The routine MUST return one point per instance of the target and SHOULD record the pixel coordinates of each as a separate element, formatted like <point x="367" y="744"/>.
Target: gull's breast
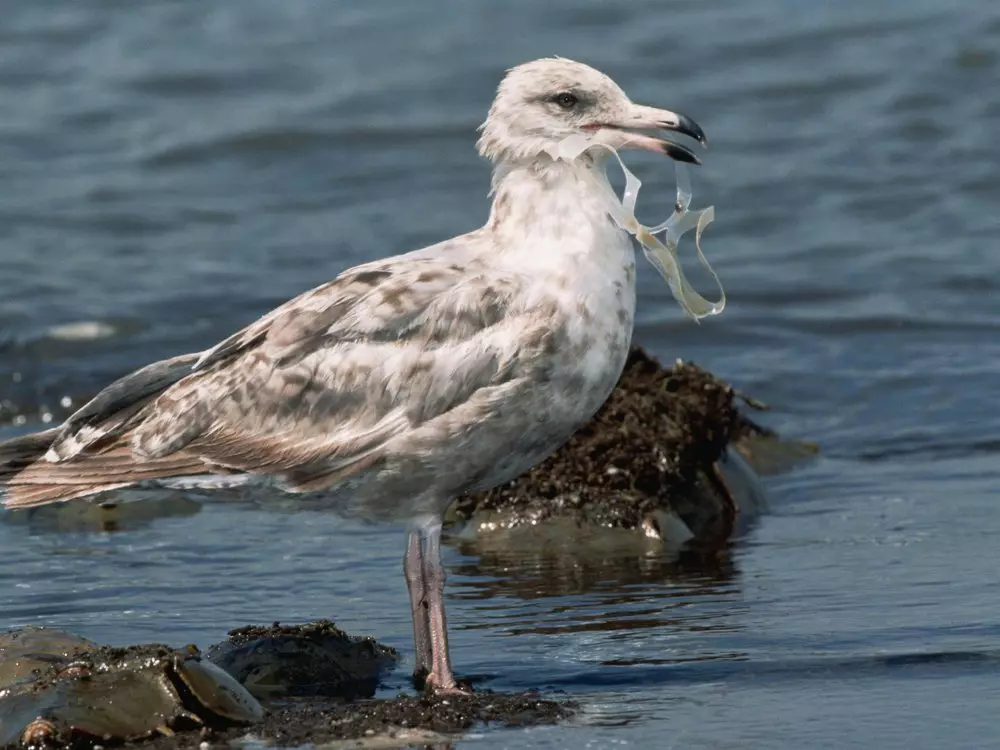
<point x="598" y="304"/>
<point x="553" y="228"/>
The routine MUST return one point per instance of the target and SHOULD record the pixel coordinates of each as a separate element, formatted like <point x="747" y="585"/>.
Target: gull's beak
<point x="618" y="135"/>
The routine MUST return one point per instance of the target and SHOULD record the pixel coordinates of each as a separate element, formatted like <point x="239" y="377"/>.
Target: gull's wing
<point x="318" y="386"/>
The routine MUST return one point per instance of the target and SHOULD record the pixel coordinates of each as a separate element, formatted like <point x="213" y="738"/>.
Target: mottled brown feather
<point x="294" y="394"/>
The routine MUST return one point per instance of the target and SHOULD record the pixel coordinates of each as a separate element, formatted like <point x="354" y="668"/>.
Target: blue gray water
<point x="172" y="170"/>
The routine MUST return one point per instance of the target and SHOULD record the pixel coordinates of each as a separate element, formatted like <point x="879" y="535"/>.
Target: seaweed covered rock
<point x="656" y="458"/>
<point x="316" y="658"/>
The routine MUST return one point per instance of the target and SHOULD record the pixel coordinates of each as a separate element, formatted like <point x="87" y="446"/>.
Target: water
<point x="173" y="170"/>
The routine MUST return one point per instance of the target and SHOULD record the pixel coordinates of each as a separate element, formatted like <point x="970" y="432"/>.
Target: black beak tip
<point x="689" y="127"/>
<point x="680" y="153"/>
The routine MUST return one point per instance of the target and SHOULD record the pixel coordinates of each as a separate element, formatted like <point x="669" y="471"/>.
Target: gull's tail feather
<point x="90" y="452"/>
<point x="28" y="480"/>
<point x="20" y="452"/>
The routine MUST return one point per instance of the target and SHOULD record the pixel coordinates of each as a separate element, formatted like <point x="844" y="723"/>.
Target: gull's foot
<point x="438" y="687"/>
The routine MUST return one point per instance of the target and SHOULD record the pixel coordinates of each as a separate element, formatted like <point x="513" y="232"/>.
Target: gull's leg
<point x="413" y="569"/>
<point x="440" y="678"/>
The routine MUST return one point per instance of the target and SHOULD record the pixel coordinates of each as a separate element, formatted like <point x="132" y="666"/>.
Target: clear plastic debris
<point x="662" y="254"/>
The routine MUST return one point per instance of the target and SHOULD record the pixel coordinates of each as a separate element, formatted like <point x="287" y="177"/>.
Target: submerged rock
<point x="666" y="456"/>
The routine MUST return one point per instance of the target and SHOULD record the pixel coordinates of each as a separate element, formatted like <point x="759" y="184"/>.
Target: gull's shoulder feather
<point x="381" y="298"/>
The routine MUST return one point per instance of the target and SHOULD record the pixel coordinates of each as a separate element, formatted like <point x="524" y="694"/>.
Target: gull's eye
<point x="566" y="100"/>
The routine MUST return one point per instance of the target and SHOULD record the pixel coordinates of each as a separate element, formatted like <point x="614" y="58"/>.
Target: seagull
<point x="408" y="381"/>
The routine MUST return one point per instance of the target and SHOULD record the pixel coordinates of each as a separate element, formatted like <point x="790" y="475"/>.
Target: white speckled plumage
<point x="407" y="381"/>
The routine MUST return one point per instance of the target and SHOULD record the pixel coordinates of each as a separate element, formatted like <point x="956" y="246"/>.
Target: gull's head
<point x="540" y="103"/>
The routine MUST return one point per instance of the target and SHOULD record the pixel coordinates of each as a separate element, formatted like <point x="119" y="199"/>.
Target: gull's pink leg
<point x="441" y="678"/>
<point x="414" y="571"/>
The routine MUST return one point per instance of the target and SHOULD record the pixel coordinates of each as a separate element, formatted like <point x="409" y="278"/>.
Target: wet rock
<point x="26" y="653"/>
<point x="766" y="452"/>
<point x="666" y="457"/>
<point x="59" y="690"/>
<point x="312" y="659"/>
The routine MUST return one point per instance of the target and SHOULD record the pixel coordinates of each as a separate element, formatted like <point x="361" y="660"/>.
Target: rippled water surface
<point x="172" y="170"/>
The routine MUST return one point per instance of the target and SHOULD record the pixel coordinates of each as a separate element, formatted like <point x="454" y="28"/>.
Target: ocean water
<point x="173" y="170"/>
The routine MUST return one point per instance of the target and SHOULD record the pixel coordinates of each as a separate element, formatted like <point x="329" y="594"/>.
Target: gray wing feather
<point x="378" y="299"/>
<point x="322" y="383"/>
<point x="105" y="416"/>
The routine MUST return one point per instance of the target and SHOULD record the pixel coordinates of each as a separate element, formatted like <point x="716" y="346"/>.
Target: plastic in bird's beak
<point x="663" y="255"/>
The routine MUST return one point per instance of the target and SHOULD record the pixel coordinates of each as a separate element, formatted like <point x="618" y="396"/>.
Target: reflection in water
<point x="548" y="562"/>
<point x="606" y="581"/>
<point x="117" y="511"/>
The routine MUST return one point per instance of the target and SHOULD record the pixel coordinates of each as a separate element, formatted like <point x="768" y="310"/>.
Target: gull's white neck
<point x="547" y="211"/>
<point x="550" y="224"/>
